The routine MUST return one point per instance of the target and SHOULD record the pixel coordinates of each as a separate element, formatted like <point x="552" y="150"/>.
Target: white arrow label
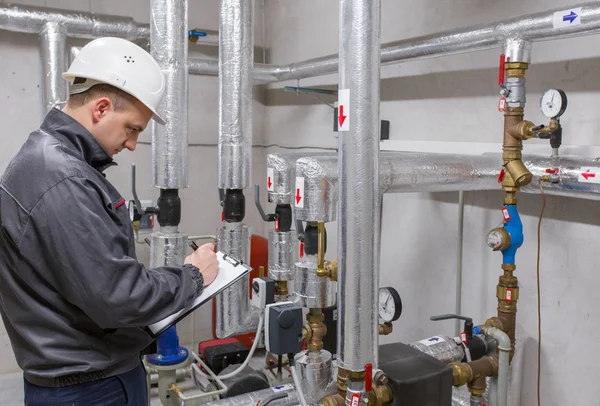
<point x="344" y="110"/>
<point x="567" y="18"/>
<point x="299" y="197"/>
<point x="589" y="175"/>
<point x="270" y="179"/>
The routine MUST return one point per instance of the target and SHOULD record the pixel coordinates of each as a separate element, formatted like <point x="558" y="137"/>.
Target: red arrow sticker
<point x="270" y="179"/>
<point x="344" y="110"/>
<point x="508" y="297"/>
<point x="589" y="175"/>
<point x="463" y="337"/>
<point x="299" y="198"/>
<point x="355" y="400"/>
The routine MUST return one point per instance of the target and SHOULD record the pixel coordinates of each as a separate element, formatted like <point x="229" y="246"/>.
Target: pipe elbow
<point x="500" y="336"/>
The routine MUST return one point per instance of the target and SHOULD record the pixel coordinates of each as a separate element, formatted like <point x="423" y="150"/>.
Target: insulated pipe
<point x="53" y="52"/>
<point x="168" y="45"/>
<point x="531" y="27"/>
<point x="406" y="172"/>
<point x="236" y="55"/>
<point x="359" y="199"/>
<point x="31" y="20"/>
<point x="504" y="349"/>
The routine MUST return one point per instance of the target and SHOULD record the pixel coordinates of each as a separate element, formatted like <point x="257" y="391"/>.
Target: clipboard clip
<point x="231" y="260"/>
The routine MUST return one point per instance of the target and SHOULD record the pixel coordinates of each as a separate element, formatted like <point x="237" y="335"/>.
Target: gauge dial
<point x="553" y="103"/>
<point x="390" y="304"/>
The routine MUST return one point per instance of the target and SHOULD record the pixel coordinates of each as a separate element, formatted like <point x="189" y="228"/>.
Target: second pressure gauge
<point x="553" y="103"/>
<point x="390" y="304"/>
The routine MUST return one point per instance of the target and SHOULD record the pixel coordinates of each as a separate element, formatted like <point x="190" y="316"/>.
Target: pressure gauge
<point x="390" y="304"/>
<point x="553" y="103"/>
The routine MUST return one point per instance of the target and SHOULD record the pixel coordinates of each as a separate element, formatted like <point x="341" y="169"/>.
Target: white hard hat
<point x="122" y="64"/>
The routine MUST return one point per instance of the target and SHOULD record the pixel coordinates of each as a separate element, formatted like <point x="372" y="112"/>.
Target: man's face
<point x="117" y="130"/>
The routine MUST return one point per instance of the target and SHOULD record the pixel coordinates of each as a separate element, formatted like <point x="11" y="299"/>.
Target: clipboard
<point x="231" y="270"/>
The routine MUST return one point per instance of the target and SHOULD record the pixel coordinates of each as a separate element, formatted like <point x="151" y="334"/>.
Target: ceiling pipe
<point x="359" y="199"/>
<point x="530" y="28"/>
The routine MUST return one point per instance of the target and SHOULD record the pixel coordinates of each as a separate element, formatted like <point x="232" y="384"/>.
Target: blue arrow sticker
<point x="567" y="18"/>
<point x="570" y="17"/>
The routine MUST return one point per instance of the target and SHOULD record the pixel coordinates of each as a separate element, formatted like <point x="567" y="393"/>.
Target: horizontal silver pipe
<point x="405" y="172"/>
<point x="523" y="29"/>
<point x="32" y="19"/>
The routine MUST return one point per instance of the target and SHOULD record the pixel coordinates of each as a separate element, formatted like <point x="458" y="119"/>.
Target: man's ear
<point x="100" y="108"/>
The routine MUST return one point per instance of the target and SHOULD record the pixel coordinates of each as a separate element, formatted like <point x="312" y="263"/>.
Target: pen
<point x="193" y="245"/>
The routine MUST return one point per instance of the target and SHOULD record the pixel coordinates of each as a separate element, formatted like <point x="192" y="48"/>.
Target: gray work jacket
<point x="74" y="299"/>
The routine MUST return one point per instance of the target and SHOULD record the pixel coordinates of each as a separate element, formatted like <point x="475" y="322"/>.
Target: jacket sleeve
<point x="82" y="238"/>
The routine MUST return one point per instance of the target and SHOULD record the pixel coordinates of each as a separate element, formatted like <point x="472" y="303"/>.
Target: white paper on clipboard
<point x="230" y="271"/>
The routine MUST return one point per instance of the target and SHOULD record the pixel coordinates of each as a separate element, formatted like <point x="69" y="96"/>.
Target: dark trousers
<point x="120" y="390"/>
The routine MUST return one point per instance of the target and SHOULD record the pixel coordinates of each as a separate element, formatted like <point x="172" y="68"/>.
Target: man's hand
<point x="206" y="261"/>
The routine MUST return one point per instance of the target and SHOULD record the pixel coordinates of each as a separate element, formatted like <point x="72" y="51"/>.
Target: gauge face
<point x="495" y="239"/>
<point x="390" y="305"/>
<point x="553" y="103"/>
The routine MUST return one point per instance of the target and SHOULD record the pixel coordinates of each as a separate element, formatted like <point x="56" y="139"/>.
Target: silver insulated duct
<point x="406" y="172"/>
<point x="358" y="169"/>
<point x="169" y="46"/>
<point x="53" y="52"/>
<point x="31" y="20"/>
<point x="236" y="57"/>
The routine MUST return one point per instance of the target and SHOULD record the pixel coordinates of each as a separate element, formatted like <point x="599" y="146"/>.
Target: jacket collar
<point x="77" y="139"/>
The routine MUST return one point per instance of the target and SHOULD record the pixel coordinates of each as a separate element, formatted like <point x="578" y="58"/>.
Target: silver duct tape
<point x="282" y="255"/>
<point x="77" y="24"/>
<point x="320" y="179"/>
<point x="413" y="171"/>
<point x="169" y="46"/>
<point x="311" y="290"/>
<point x="444" y="349"/>
<point x="315" y="374"/>
<point x="407" y="172"/>
<point x="235" y="315"/>
<point x="517" y="50"/>
<point x="461" y="397"/>
<point x="167" y="249"/>
<point x="53" y="52"/>
<point x="358" y="169"/>
<point x="568" y="181"/>
<point x="252" y="398"/>
<point x="236" y="57"/>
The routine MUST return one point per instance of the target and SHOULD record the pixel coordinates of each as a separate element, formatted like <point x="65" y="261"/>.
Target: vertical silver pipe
<point x="236" y="57"/>
<point x="358" y="168"/>
<point x="53" y="52"/>
<point x="169" y="46"/>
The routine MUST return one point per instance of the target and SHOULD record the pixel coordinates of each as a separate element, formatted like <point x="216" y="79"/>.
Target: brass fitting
<point x="494" y="322"/>
<point x="341" y="382"/>
<point x="477" y="387"/>
<point x="468" y="372"/>
<point x="334" y="400"/>
<point x="318" y="330"/>
<point x="385" y="329"/>
<point x="332" y="270"/>
<point x="507" y="292"/>
<point x="515" y="69"/>
<point x="383" y="395"/>
<point x="321" y="271"/>
<point x="282" y="288"/>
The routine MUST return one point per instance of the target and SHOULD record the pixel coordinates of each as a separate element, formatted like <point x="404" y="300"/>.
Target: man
<point x="74" y="299"/>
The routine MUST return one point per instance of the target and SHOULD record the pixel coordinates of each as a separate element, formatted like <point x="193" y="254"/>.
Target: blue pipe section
<point x="169" y="351"/>
<point x="514" y="226"/>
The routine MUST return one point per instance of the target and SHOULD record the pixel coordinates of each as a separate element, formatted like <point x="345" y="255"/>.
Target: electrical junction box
<point x="283" y="328"/>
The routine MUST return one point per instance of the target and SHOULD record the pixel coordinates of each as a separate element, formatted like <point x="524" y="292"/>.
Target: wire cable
<point x="255" y="146"/>
<point x="539" y="306"/>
